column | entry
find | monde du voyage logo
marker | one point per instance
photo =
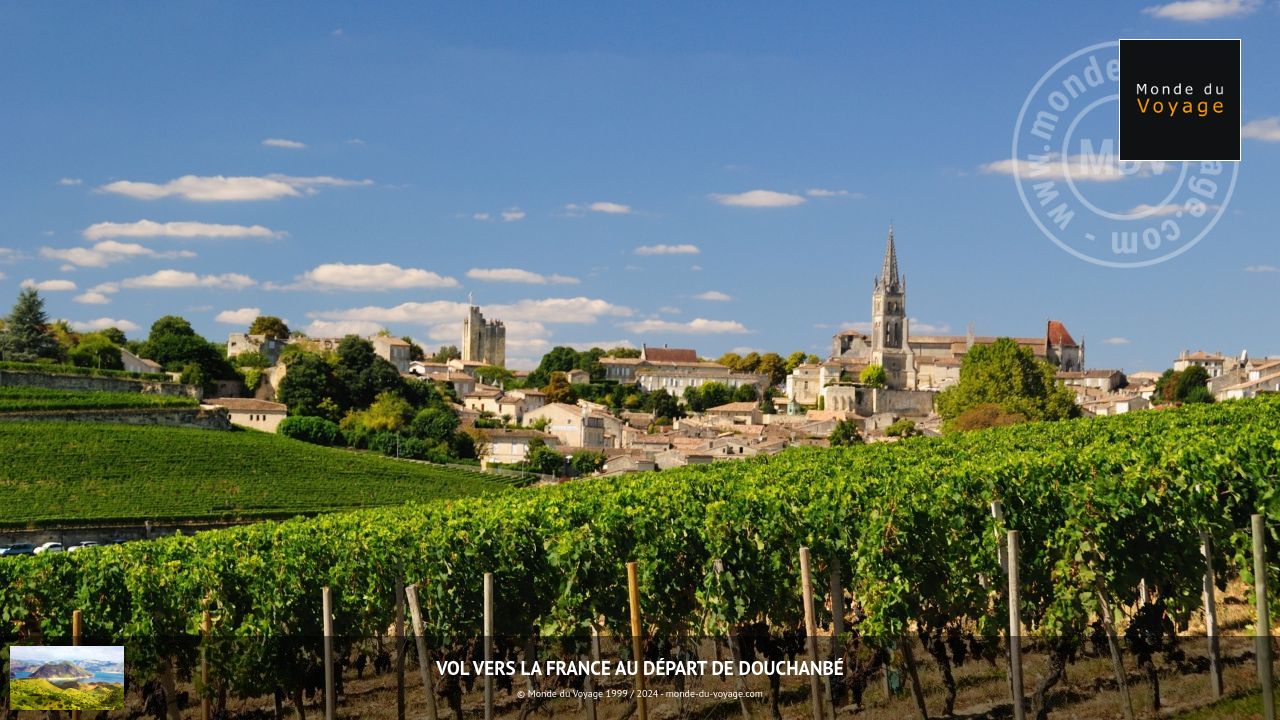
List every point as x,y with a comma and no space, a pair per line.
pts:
1143,182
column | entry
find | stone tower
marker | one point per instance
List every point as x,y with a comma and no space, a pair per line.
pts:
483,340
889,347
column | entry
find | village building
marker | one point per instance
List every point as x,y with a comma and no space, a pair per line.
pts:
511,447
248,412
133,363
393,350
483,341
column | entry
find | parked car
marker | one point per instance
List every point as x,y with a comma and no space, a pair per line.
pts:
49,547
17,549
82,545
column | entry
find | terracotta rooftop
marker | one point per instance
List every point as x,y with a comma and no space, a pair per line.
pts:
247,404
665,354
1058,334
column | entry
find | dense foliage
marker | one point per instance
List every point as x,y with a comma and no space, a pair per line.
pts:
314,430
22,399
56,472
1010,377
1101,504
26,335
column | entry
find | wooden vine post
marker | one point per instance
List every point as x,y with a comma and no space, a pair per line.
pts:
488,646
1263,630
424,657
811,633
1015,627
637,640
1104,614
330,700
835,593
1211,616
77,632
206,628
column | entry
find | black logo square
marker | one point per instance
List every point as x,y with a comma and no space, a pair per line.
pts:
1179,100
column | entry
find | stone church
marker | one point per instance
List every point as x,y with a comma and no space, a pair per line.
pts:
913,362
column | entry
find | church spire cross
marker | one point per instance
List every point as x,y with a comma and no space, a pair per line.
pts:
889,278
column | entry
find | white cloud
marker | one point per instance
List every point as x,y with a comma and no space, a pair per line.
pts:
49,285
243,316
2,276
179,279
354,141
512,214
481,216
219,188
92,297
667,250
103,323
150,228
758,199
603,344
9,255
283,143
1080,168
384,276
713,296
516,275
1267,129
668,309
1197,10
70,181
341,328
107,252
825,193
575,310
1116,341
1162,210
1262,269
697,326
610,207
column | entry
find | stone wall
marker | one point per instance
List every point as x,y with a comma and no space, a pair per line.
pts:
89,383
902,402
204,417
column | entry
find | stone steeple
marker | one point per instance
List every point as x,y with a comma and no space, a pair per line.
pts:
889,278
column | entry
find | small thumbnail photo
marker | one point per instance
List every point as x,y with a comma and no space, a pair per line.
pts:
66,677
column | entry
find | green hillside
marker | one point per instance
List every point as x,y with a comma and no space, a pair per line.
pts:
43,695
22,399
56,473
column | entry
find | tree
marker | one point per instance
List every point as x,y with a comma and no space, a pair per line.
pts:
873,376
445,354
1010,377
844,434
251,359
774,366
558,390
27,336
96,351
388,413
363,373
311,388
745,393
314,430
66,336
1193,385
542,459
416,353
115,335
175,345
709,395
795,360
434,423
586,462
269,325
986,415
493,375
664,405
766,402
902,427
560,359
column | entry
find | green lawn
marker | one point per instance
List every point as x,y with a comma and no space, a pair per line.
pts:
1244,707
61,473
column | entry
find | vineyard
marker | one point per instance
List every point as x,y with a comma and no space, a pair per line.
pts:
1102,506
76,370
67,474
26,399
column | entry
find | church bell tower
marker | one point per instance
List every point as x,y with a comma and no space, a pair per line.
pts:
889,348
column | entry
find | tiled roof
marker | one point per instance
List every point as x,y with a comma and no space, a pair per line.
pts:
247,404
663,354
1058,334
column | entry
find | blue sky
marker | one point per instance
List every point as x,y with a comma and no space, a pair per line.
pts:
62,653
583,171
